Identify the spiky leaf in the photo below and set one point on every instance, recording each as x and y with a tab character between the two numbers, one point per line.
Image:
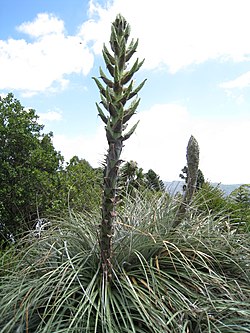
130	132
131	111
131	50
137	89
101	114
107	56
100	86
107	81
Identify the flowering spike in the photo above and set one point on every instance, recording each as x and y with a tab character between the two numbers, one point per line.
119	89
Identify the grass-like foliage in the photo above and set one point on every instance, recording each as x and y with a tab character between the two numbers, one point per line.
194	278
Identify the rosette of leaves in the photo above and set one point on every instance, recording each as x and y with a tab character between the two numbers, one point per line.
116	89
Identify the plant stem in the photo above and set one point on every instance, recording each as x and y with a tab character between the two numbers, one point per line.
119	89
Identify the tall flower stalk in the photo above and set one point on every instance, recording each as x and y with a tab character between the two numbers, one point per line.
192	169
115	91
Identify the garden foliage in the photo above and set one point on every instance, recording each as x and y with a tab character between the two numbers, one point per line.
157	276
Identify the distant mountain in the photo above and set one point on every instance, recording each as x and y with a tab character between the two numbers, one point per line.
227	188
176	186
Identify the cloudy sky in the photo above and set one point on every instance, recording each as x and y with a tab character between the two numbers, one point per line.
197	65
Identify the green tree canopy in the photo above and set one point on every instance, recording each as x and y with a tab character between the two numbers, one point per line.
241	195
80	187
211	199
133	178
240	201
28	167
154	182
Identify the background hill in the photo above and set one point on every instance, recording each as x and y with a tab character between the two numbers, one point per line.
176	186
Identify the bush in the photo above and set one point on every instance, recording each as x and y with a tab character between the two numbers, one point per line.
189	279
7	259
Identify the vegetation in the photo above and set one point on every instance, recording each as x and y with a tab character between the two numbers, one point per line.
154	182
34	183
28	166
119	90
212	200
153	264
195	279
132	178
191	179
79	187
240	201
200	178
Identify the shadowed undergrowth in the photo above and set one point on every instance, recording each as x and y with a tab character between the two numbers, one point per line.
194	278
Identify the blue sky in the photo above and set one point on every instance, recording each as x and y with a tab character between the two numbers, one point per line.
197	65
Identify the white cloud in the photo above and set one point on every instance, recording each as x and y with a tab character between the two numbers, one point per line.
160	139
44	24
50	116
92	148
241	81
223	145
177	33
162	136
42	64
237	97
160	143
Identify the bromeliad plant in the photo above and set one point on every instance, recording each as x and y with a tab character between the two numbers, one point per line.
115	93
194	278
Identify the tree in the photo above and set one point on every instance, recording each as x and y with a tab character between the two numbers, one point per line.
154	182
211	199
240	199
241	195
131	177
118	91
80	187
28	166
